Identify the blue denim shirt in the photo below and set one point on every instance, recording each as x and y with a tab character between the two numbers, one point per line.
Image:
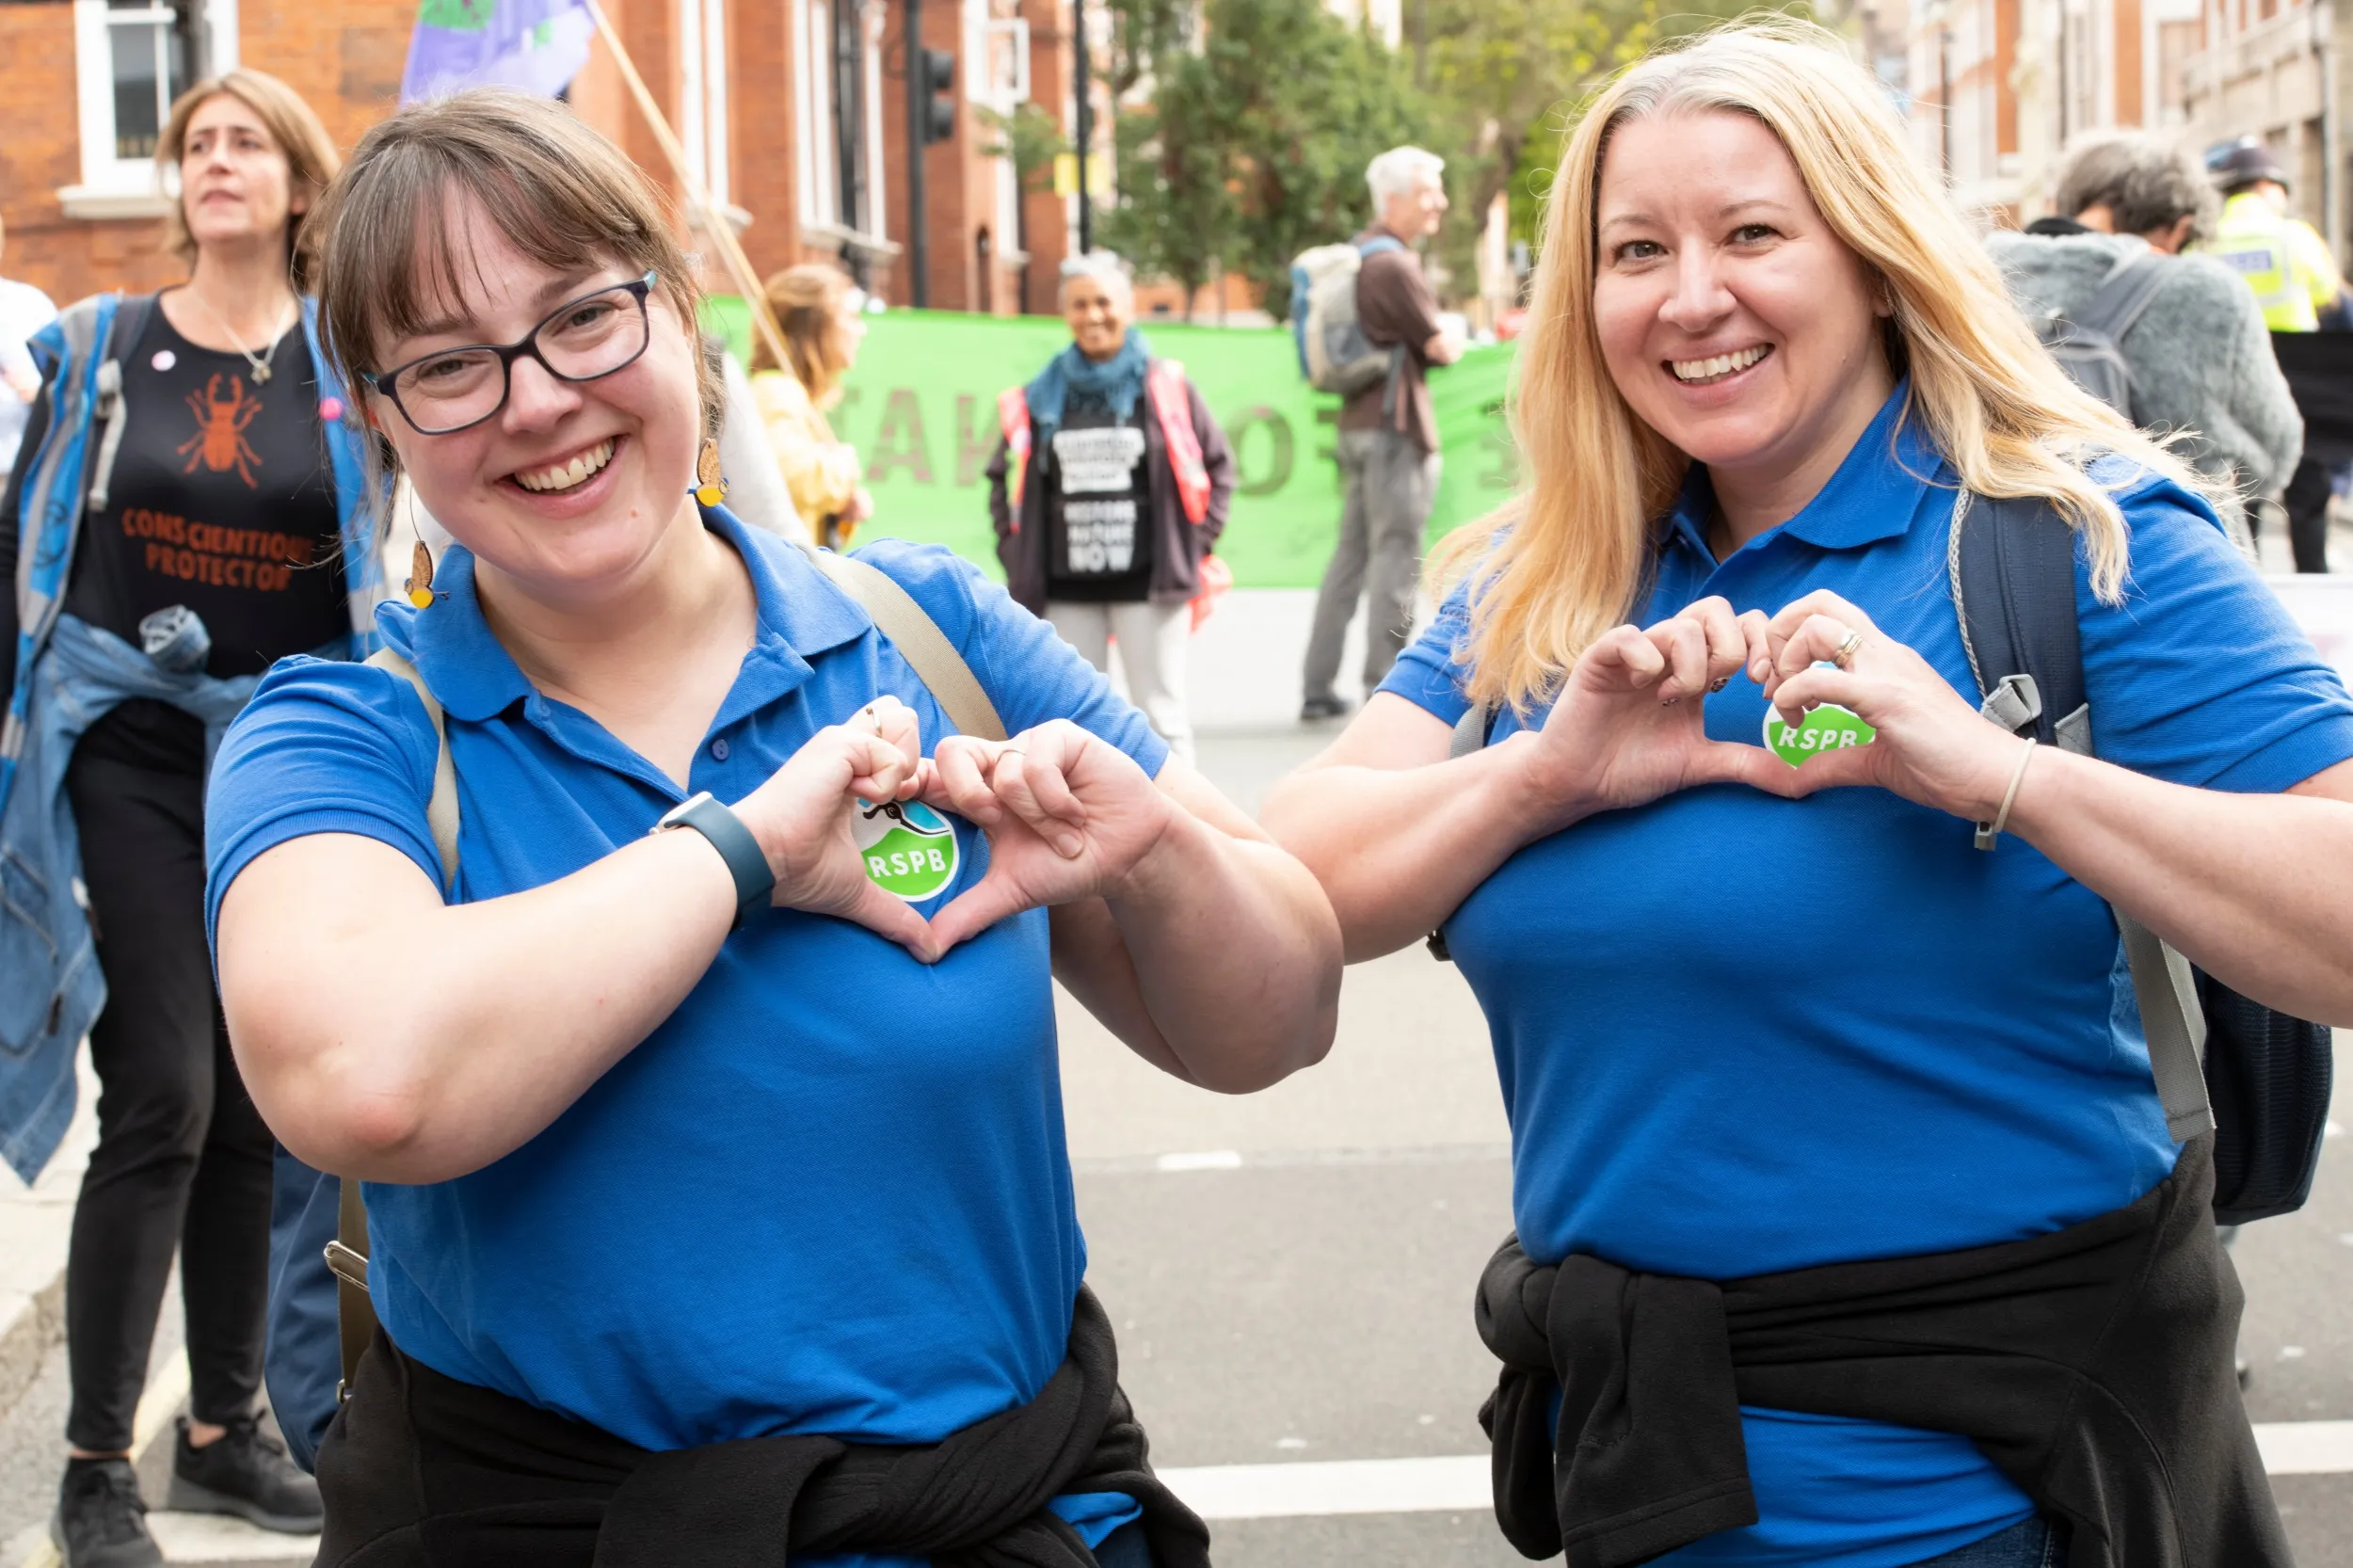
53	989
68	676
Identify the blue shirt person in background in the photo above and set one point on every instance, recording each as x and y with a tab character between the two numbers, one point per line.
1752	1016
638	1182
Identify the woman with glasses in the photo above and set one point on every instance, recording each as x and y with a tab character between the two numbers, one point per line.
713	1153
178	537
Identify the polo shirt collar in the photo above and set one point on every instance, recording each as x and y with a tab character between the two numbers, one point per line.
798	615
1874	495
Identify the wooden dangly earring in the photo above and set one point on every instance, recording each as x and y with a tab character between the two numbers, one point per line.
421	576
710	486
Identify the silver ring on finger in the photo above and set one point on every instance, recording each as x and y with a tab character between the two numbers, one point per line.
1844	656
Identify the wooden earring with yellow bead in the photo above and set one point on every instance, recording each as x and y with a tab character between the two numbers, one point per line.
710	486
420	584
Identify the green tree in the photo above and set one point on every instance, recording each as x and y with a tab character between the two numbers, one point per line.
1175	214
1505	78
1305	103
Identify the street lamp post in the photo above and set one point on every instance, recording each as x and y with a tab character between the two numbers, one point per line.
1085	118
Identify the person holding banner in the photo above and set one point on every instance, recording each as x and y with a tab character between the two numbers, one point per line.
1852	1226
716	1183
1109	488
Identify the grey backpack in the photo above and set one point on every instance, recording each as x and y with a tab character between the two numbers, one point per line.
2085	343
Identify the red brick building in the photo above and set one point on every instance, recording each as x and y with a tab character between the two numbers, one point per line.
792	111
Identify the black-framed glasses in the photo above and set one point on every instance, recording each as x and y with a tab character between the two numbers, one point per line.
454	388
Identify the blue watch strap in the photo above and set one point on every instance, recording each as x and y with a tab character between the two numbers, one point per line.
754	881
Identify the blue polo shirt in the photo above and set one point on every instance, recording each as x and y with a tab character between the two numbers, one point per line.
829	1194
1739	1034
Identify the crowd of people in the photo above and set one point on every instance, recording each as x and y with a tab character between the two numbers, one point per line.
434	945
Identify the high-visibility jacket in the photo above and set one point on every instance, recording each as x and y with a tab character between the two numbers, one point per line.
2284	260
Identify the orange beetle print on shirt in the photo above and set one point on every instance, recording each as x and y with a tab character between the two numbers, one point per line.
221	420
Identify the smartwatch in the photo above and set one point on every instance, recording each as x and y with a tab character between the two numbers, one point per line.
754	881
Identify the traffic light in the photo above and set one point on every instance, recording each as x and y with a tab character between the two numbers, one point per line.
938	91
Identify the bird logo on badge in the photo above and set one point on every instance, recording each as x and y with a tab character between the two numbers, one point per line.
909	849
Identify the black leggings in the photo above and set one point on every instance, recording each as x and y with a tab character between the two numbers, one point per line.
183	1157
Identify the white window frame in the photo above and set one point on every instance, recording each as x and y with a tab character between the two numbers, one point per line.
703	94
113	188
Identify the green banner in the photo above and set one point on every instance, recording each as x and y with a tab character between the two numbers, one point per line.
922	409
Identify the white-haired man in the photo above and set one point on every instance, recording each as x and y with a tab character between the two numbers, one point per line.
1388	440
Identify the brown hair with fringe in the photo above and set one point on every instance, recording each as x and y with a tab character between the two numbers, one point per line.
312	162
555	189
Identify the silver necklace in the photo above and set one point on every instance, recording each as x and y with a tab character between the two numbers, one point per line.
257	364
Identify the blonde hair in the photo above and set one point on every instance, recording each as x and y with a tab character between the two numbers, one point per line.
310	152
555	189
808	302
1558	565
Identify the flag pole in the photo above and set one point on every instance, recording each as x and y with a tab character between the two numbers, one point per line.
714	222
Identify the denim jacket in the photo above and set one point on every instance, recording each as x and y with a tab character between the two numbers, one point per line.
70	675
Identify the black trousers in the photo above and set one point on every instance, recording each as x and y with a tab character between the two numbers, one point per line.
2306	501
183	1157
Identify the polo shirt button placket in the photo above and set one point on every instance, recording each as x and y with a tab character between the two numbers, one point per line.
719	749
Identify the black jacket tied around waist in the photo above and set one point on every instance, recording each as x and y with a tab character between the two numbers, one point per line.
2094	1366
422	1469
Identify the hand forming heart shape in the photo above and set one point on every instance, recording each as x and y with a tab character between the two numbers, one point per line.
1067	816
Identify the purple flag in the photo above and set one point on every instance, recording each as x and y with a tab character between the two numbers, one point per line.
537	45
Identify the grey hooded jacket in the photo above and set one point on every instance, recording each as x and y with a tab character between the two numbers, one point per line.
2199	356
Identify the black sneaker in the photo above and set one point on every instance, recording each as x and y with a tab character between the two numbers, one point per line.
248	1474
101	1521
1317	708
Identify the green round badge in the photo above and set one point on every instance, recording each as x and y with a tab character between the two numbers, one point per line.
1829	727
908	848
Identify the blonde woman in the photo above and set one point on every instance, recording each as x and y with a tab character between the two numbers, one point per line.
822	315
1849	1230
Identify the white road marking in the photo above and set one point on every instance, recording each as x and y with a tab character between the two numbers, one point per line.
1335	1486
2306	1448
211	1538
1460	1482
1207	1159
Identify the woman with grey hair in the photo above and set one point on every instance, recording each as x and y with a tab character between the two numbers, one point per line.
1109	488
2199	359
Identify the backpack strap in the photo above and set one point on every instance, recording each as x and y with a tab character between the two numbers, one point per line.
1172	404
1471	732
110	411
441	811
1013	422
2014	586
919	642
2124	295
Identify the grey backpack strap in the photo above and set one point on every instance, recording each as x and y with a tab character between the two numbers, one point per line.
2174	1025
919	642
441	811
2124	295
1470	730
1470	734
110	411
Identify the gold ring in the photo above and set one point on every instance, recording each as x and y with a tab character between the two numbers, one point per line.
1844	658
